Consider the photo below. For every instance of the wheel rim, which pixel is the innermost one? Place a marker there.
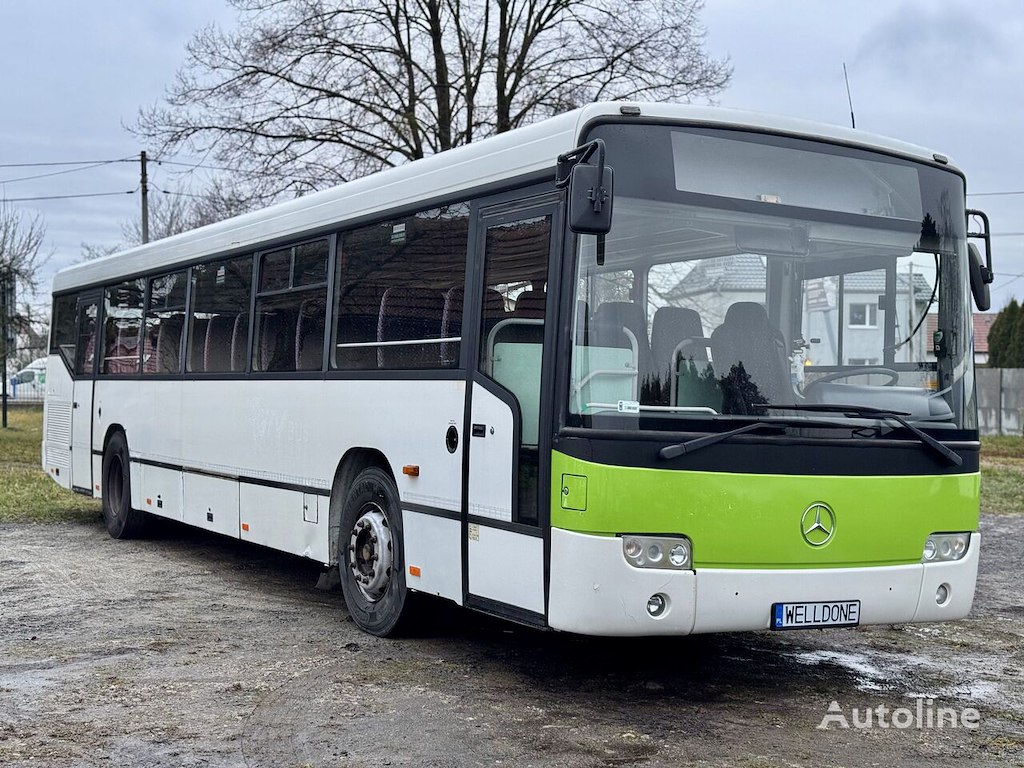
(370, 553)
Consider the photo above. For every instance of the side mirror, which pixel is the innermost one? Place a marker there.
(590, 188)
(590, 199)
(979, 281)
(980, 267)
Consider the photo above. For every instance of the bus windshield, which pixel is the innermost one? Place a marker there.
(748, 270)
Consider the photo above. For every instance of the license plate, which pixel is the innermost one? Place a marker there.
(837, 613)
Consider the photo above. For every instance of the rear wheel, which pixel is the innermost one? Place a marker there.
(370, 556)
(122, 521)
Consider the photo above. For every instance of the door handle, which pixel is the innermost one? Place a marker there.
(479, 430)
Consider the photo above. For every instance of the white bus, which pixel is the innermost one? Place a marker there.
(637, 369)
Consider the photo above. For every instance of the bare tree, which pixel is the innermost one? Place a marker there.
(21, 242)
(308, 93)
(174, 213)
(32, 335)
(168, 215)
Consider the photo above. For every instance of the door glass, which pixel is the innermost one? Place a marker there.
(85, 353)
(512, 333)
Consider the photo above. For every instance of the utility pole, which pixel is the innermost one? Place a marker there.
(6, 308)
(910, 306)
(144, 186)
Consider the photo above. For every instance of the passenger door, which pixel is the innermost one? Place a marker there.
(508, 448)
(86, 343)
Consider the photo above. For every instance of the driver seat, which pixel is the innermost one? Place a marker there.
(747, 338)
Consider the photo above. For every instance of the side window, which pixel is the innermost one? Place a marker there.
(85, 347)
(515, 275)
(122, 327)
(291, 308)
(399, 292)
(165, 324)
(218, 333)
(62, 328)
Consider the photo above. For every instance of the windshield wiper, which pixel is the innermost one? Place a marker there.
(879, 413)
(672, 451)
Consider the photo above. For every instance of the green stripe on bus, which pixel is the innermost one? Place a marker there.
(740, 520)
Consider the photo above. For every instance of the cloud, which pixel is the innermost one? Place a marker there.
(919, 41)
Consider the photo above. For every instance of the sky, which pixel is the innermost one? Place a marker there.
(947, 76)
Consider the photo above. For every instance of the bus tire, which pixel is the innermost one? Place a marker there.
(370, 554)
(121, 520)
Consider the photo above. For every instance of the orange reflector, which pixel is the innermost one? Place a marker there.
(412, 470)
(245, 526)
(149, 502)
(414, 570)
(97, 487)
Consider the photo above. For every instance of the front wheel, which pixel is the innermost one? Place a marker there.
(370, 557)
(121, 520)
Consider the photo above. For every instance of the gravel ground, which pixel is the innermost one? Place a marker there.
(188, 649)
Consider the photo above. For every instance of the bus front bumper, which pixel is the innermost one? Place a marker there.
(594, 591)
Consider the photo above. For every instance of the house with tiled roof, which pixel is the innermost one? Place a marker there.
(839, 333)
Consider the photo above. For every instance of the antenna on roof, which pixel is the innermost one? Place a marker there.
(849, 98)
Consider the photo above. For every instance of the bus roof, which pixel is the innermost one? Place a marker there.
(526, 150)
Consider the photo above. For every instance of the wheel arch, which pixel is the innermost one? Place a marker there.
(111, 431)
(352, 463)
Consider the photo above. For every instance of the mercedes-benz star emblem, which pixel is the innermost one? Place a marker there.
(818, 524)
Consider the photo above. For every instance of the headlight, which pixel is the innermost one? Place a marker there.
(945, 547)
(657, 552)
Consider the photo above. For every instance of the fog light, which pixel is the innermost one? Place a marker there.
(942, 594)
(656, 605)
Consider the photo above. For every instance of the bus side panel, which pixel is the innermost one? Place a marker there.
(56, 449)
(281, 518)
(284, 439)
(161, 492)
(260, 452)
(507, 567)
(149, 412)
(211, 503)
(433, 554)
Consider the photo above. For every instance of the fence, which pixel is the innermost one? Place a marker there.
(26, 376)
(1000, 401)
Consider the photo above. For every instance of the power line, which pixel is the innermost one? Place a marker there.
(132, 159)
(995, 194)
(1013, 279)
(67, 162)
(64, 197)
(159, 161)
(59, 173)
(176, 194)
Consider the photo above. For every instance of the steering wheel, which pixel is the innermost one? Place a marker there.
(894, 376)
